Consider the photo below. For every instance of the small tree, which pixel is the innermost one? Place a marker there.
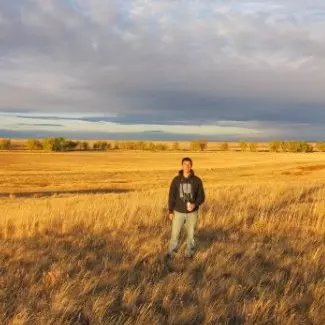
(130, 145)
(69, 145)
(151, 146)
(199, 145)
(5, 144)
(224, 146)
(243, 145)
(298, 146)
(141, 145)
(194, 145)
(59, 144)
(253, 146)
(285, 146)
(303, 146)
(176, 146)
(161, 146)
(122, 145)
(308, 147)
(49, 144)
(34, 144)
(101, 145)
(203, 145)
(275, 146)
(84, 146)
(293, 146)
(320, 146)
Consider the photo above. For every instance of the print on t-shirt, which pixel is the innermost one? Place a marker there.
(186, 191)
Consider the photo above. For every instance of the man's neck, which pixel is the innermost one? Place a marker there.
(186, 174)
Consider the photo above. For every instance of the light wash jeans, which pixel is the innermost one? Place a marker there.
(190, 221)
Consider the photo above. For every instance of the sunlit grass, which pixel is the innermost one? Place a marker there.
(83, 238)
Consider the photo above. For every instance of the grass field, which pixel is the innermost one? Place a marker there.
(82, 239)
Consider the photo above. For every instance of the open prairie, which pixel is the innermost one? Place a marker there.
(83, 235)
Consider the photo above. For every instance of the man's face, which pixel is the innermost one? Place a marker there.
(187, 166)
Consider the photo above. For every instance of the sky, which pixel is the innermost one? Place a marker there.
(163, 69)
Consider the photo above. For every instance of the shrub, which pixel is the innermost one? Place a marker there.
(141, 145)
(59, 144)
(5, 144)
(285, 146)
(48, 144)
(84, 146)
(320, 146)
(54, 144)
(34, 144)
(121, 145)
(243, 145)
(101, 145)
(275, 146)
(128, 145)
(224, 146)
(308, 147)
(70, 145)
(151, 146)
(299, 146)
(253, 146)
(199, 145)
(131, 145)
(176, 146)
(161, 146)
(291, 146)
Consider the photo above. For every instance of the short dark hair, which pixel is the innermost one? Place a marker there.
(187, 159)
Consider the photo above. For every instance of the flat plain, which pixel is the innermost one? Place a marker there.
(83, 236)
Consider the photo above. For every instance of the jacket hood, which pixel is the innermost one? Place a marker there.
(181, 173)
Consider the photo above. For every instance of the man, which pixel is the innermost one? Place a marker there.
(186, 194)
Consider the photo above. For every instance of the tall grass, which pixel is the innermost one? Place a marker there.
(99, 258)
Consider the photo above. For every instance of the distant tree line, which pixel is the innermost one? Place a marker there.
(283, 146)
(60, 144)
(293, 146)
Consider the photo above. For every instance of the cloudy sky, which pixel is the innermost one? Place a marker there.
(234, 69)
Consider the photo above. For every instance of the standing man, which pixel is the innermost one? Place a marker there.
(186, 194)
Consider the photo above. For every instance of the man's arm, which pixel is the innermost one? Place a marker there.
(200, 198)
(172, 196)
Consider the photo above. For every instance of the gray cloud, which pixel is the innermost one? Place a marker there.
(168, 62)
(38, 124)
(158, 135)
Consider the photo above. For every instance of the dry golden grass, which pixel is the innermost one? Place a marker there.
(83, 237)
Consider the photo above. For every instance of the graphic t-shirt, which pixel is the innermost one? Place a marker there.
(186, 192)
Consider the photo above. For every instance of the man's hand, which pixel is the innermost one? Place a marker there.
(171, 216)
(191, 207)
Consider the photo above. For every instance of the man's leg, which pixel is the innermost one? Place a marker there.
(190, 225)
(177, 224)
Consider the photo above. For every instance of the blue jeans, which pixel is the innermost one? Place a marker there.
(190, 221)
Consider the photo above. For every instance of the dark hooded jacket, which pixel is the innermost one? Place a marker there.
(184, 189)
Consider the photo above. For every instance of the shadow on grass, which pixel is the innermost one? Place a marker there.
(98, 278)
(64, 193)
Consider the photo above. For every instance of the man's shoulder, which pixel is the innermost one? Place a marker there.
(197, 178)
(176, 178)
